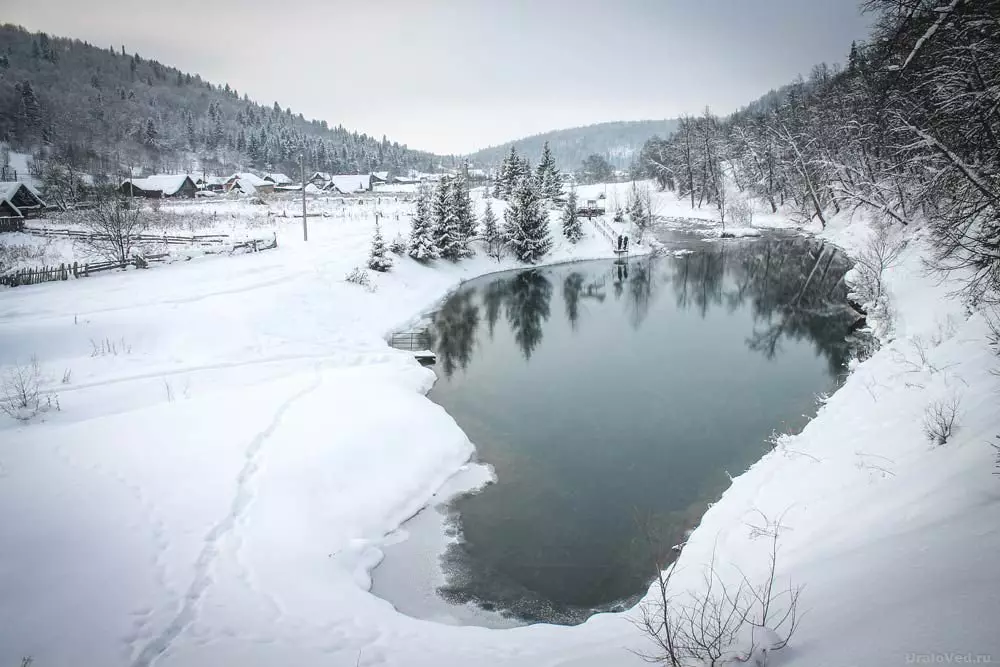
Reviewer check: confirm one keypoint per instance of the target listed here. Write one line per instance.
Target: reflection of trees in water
(572, 290)
(528, 299)
(795, 288)
(493, 297)
(640, 292)
(454, 328)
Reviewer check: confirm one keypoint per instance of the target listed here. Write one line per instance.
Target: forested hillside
(101, 108)
(617, 142)
(909, 129)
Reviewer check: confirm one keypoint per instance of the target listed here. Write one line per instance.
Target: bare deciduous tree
(114, 223)
(879, 254)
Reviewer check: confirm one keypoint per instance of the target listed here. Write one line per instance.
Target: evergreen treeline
(445, 224)
(616, 142)
(908, 129)
(98, 109)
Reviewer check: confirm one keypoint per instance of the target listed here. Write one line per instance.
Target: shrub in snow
(727, 620)
(19, 390)
(996, 460)
(359, 276)
(940, 419)
(378, 260)
(398, 245)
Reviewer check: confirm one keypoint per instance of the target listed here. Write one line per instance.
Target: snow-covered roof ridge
(248, 177)
(9, 190)
(168, 184)
(348, 183)
(278, 179)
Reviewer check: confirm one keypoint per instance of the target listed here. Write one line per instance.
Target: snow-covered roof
(9, 191)
(8, 210)
(278, 179)
(348, 183)
(168, 184)
(311, 189)
(381, 175)
(247, 177)
(246, 186)
(322, 175)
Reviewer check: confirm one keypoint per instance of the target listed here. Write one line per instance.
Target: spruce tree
(491, 233)
(461, 202)
(446, 233)
(422, 246)
(549, 178)
(378, 260)
(526, 223)
(572, 228)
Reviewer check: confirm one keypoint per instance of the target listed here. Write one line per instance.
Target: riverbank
(235, 459)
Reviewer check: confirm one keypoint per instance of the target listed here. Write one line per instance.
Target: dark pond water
(612, 400)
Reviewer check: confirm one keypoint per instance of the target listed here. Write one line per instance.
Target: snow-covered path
(235, 440)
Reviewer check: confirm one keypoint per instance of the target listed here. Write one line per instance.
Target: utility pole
(305, 225)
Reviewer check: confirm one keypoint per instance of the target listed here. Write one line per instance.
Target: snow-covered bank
(230, 441)
(216, 489)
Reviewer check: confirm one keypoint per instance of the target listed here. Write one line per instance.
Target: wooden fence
(11, 224)
(169, 239)
(34, 276)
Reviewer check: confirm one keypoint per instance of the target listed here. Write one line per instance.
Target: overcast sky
(452, 76)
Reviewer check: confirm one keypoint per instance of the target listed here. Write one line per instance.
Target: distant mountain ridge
(617, 141)
(101, 108)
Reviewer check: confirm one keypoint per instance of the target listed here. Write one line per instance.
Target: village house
(158, 186)
(212, 183)
(321, 179)
(248, 183)
(278, 179)
(19, 200)
(351, 183)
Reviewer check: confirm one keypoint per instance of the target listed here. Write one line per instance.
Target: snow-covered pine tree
(549, 178)
(636, 211)
(446, 232)
(510, 174)
(491, 233)
(502, 176)
(466, 219)
(378, 260)
(422, 246)
(572, 229)
(526, 223)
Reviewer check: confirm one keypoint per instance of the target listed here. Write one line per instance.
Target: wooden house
(245, 181)
(279, 179)
(158, 186)
(22, 200)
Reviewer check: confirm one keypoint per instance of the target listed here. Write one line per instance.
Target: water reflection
(795, 289)
(611, 422)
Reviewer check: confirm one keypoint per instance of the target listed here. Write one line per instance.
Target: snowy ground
(230, 442)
